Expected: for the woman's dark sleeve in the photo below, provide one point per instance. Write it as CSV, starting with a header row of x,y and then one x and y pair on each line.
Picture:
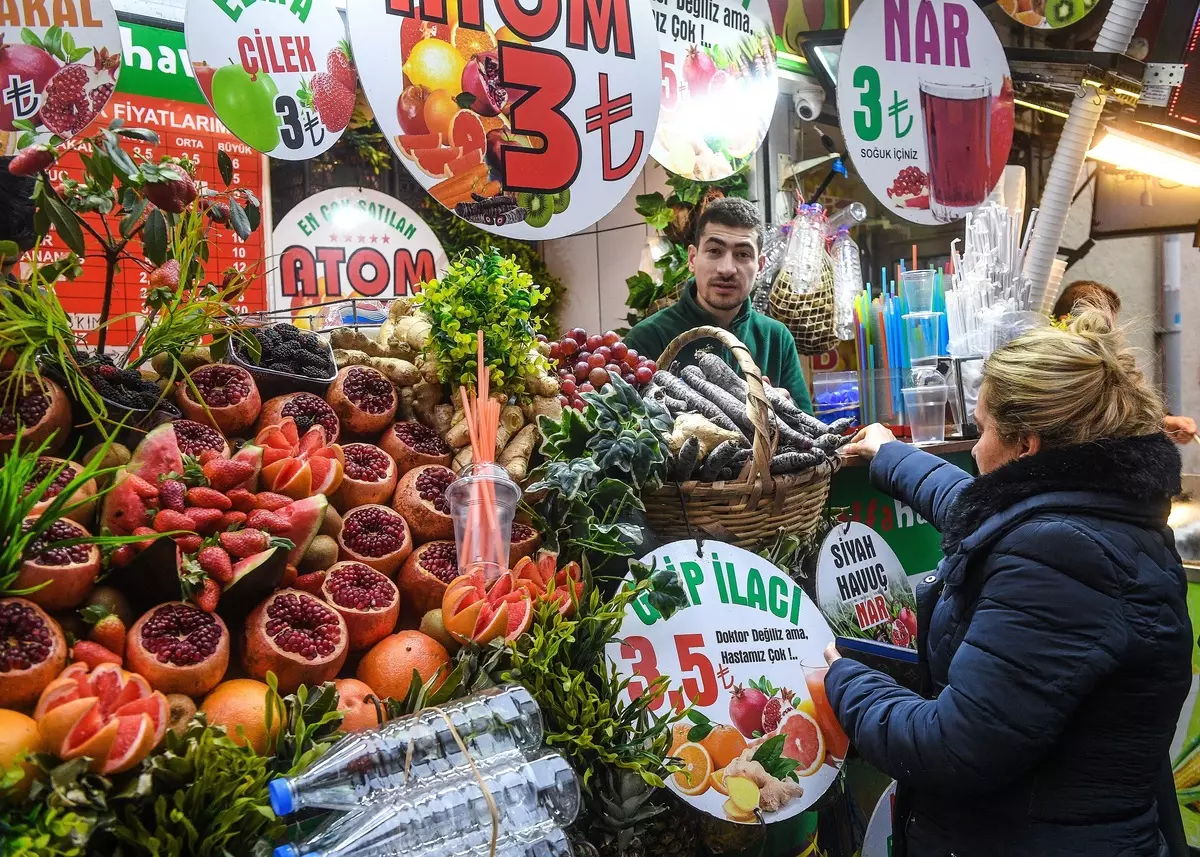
x,y
927,483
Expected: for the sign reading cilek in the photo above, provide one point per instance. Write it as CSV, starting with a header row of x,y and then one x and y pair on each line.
x,y
748,633
719,86
59,66
529,120
278,74
926,105
862,588
351,243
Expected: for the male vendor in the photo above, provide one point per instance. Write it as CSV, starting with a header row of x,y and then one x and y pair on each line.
x,y
724,260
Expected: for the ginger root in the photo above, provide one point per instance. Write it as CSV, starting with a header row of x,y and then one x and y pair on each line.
x,y
399,372
773,794
708,433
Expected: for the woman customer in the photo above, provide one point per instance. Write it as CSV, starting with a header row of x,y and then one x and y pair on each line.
x,y
1054,637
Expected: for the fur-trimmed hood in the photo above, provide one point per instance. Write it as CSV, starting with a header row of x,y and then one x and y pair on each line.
x,y
1144,470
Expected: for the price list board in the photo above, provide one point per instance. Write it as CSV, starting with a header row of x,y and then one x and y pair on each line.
x,y
165,99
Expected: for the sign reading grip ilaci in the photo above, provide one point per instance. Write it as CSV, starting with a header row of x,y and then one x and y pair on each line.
x,y
747,655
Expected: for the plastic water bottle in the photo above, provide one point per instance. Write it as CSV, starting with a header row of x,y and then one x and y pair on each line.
x,y
492,722
542,840
847,282
851,215
541,791
806,249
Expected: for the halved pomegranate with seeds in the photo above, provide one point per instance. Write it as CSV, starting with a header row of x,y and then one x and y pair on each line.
x,y
67,471
33,652
368,602
421,499
412,444
40,407
230,397
376,536
364,400
910,189
427,572
179,648
67,572
296,636
369,477
523,541
307,409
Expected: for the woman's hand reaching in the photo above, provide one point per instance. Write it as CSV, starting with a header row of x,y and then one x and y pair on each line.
x,y
868,440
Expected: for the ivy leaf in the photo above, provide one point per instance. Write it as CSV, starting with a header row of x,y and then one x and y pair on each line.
x,y
642,290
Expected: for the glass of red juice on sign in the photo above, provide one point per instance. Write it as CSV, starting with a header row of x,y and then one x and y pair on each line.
x,y
836,741
958,119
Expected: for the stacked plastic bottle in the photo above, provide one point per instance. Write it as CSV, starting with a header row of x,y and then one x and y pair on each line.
x,y
806,249
407,789
847,282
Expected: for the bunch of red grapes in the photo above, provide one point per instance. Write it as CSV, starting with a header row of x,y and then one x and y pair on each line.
x,y
586,363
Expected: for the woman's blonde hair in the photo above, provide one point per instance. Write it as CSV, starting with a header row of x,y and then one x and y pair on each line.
x,y
1070,386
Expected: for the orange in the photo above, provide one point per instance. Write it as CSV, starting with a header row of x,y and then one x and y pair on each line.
x,y
717,780
437,65
491,123
724,744
358,712
389,665
471,42
679,733
242,702
19,737
1031,19
439,112
694,778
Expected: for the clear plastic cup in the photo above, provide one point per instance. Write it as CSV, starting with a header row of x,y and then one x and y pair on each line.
x,y
918,289
925,408
921,330
483,501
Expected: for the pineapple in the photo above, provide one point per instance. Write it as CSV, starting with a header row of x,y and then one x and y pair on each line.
x,y
630,818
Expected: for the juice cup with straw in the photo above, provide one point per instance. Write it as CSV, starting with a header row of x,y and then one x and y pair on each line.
x,y
836,741
483,500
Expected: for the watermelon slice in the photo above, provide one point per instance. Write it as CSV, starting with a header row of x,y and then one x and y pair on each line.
x,y
305,517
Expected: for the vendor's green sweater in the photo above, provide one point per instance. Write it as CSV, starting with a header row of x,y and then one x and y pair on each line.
x,y
770,342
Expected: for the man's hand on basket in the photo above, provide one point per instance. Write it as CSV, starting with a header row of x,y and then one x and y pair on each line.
x,y
868,440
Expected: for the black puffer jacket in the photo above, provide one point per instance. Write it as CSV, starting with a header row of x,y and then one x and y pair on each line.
x,y
1057,649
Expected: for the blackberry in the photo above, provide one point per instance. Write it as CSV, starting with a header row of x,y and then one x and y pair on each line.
x,y
287,332
280,367
310,371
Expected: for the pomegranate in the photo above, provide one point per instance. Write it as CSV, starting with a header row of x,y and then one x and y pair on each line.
x,y
775,710
421,499
32,652
82,500
40,406
195,438
375,536
78,92
698,70
413,444
523,541
179,648
364,400
369,477
746,710
31,65
368,602
426,574
899,635
296,636
230,400
909,619
481,80
306,409
910,189
67,572
410,110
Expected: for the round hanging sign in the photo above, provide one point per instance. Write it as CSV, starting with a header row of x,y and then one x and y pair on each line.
x,y
350,242
531,124
877,842
751,745
1048,14
279,75
719,86
926,104
59,65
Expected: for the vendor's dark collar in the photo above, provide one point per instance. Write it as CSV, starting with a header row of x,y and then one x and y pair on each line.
x,y
1131,478
690,304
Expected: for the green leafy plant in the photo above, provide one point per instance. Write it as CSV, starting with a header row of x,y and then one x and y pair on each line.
x,y
308,725
39,830
484,291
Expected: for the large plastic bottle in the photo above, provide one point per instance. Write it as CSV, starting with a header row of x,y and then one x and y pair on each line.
x,y
847,282
806,249
542,840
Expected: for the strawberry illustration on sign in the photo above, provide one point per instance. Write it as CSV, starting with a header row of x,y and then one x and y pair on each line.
x,y
331,92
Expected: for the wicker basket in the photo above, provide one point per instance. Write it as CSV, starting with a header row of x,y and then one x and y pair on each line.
x,y
808,314
754,506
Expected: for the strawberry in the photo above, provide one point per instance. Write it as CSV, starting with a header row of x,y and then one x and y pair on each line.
x,y
241,499
216,562
94,654
208,596
107,628
204,521
189,543
311,582
338,63
165,275
271,501
208,498
261,519
290,573
122,556
225,473
229,520
171,495
31,161
168,519
208,455
244,543
144,531
142,488
172,191
333,102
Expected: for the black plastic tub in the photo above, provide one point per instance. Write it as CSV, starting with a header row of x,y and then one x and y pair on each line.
x,y
271,383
